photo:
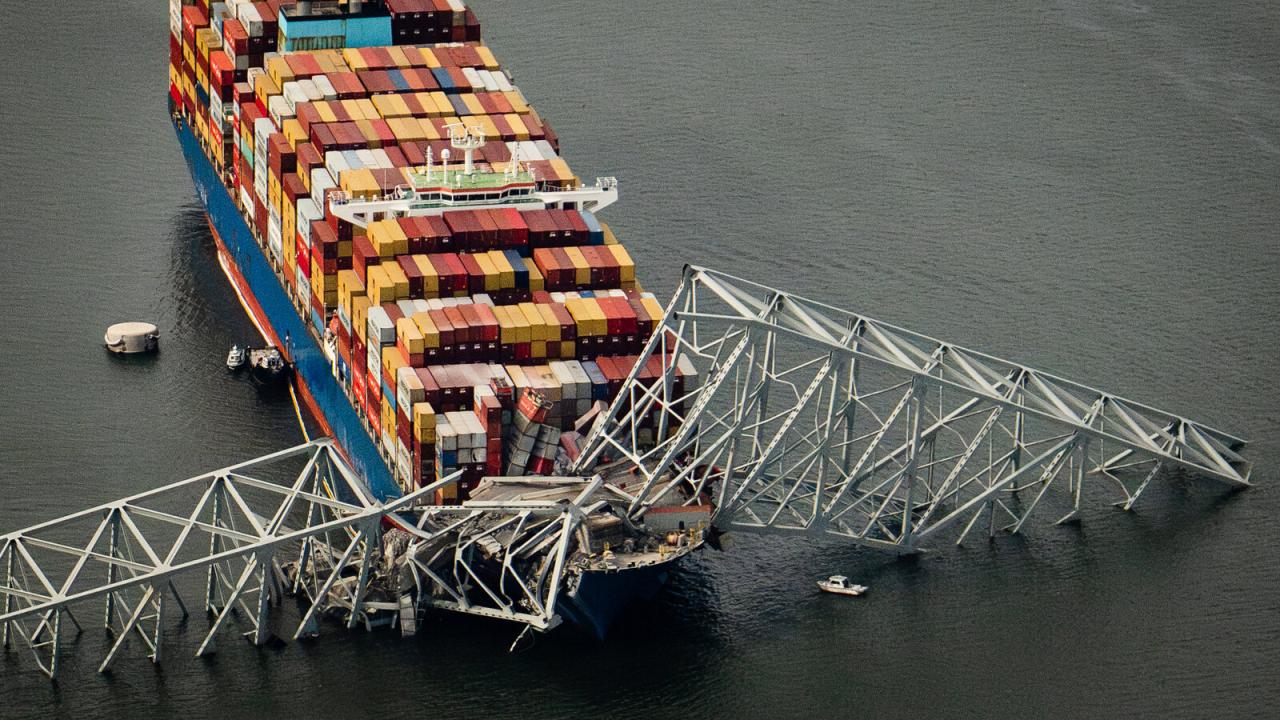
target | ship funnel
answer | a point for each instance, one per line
(304, 8)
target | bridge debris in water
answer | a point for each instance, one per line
(807, 420)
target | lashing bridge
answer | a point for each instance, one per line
(786, 414)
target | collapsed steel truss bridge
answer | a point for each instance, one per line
(811, 419)
(789, 415)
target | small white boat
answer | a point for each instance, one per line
(132, 337)
(840, 585)
(236, 357)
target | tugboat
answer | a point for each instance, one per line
(236, 358)
(268, 367)
(840, 585)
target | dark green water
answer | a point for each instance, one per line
(1088, 187)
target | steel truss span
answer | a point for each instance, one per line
(799, 417)
(294, 522)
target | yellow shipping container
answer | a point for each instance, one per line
(354, 60)
(537, 324)
(563, 174)
(429, 58)
(379, 286)
(486, 57)
(517, 126)
(536, 281)
(430, 278)
(398, 57)
(518, 103)
(351, 108)
(609, 237)
(387, 417)
(581, 268)
(326, 112)
(278, 70)
(653, 307)
(424, 422)
(410, 336)
(506, 325)
(626, 265)
(293, 132)
(399, 280)
(491, 277)
(567, 349)
(486, 123)
(506, 273)
(430, 333)
(366, 108)
(360, 315)
(390, 106)
(472, 103)
(550, 322)
(385, 235)
(441, 103)
(348, 285)
(392, 360)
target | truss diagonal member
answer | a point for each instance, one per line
(150, 599)
(1052, 456)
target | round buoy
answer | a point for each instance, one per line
(132, 337)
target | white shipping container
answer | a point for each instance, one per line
(380, 327)
(490, 83)
(262, 130)
(291, 93)
(252, 20)
(335, 162)
(544, 147)
(309, 90)
(473, 77)
(303, 289)
(274, 234)
(366, 159)
(324, 87)
(246, 199)
(252, 76)
(307, 212)
(403, 466)
(175, 18)
(504, 81)
(320, 182)
(216, 12)
(280, 109)
(380, 159)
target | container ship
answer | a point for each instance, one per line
(397, 220)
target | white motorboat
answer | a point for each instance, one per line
(237, 357)
(840, 585)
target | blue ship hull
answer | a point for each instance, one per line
(268, 299)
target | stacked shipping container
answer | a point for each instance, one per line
(467, 340)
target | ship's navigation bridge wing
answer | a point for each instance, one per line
(797, 416)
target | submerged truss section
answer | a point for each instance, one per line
(239, 528)
(811, 419)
